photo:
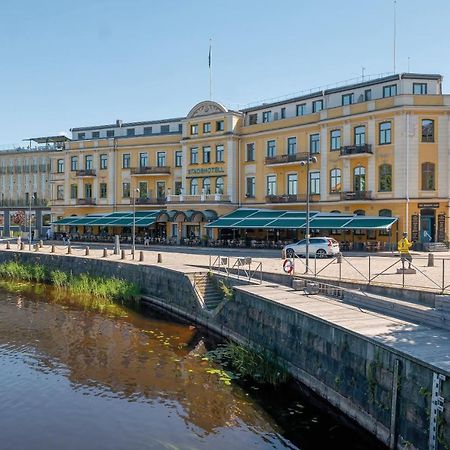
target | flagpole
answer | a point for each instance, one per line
(210, 70)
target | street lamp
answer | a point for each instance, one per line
(31, 197)
(306, 162)
(133, 250)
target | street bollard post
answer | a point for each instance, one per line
(22, 246)
(122, 254)
(430, 260)
(41, 243)
(141, 256)
(8, 245)
(53, 248)
(87, 251)
(159, 258)
(105, 252)
(69, 250)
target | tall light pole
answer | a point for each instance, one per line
(306, 162)
(31, 197)
(133, 250)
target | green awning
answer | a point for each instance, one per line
(325, 223)
(287, 223)
(223, 223)
(370, 223)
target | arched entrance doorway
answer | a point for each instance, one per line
(427, 225)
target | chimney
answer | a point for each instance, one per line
(118, 123)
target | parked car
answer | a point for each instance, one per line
(319, 246)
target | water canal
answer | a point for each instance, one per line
(76, 374)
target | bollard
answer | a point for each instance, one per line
(8, 245)
(430, 260)
(22, 246)
(69, 250)
(36, 247)
(141, 256)
(53, 248)
(122, 254)
(41, 244)
(339, 258)
(105, 252)
(159, 259)
(87, 251)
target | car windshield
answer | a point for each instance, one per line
(303, 241)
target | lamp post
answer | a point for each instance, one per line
(306, 162)
(133, 249)
(29, 221)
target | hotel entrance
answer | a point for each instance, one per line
(427, 225)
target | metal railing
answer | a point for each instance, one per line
(287, 198)
(349, 150)
(204, 198)
(86, 201)
(85, 173)
(284, 159)
(150, 170)
(244, 269)
(23, 203)
(356, 195)
(151, 201)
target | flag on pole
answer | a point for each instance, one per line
(209, 55)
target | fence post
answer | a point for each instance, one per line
(141, 256)
(53, 248)
(210, 262)
(105, 252)
(369, 269)
(87, 251)
(315, 265)
(122, 255)
(340, 266)
(443, 275)
(69, 249)
(403, 275)
(8, 245)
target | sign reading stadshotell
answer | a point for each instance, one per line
(202, 170)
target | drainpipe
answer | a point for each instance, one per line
(406, 228)
(239, 172)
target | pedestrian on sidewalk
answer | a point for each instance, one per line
(19, 242)
(403, 247)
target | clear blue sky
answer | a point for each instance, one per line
(68, 63)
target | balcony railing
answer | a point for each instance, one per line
(285, 159)
(287, 198)
(85, 173)
(150, 200)
(86, 201)
(12, 203)
(203, 198)
(356, 195)
(150, 170)
(350, 150)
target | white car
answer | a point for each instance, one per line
(318, 246)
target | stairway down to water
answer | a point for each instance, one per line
(209, 291)
(435, 247)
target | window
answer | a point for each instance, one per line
(335, 140)
(95, 134)
(271, 149)
(360, 135)
(206, 186)
(194, 186)
(207, 127)
(206, 155)
(267, 116)
(271, 185)
(74, 163)
(73, 191)
(219, 153)
(359, 212)
(131, 131)
(103, 190)
(385, 178)
(178, 158)
(126, 190)
(427, 130)
(143, 159)
(194, 155)
(389, 91)
(60, 166)
(253, 119)
(161, 190)
(359, 179)
(194, 129)
(165, 129)
(178, 187)
(292, 179)
(250, 187)
(335, 180)
(428, 179)
(292, 146)
(126, 159)
(161, 159)
(103, 161)
(314, 183)
(283, 113)
(88, 190)
(81, 136)
(219, 185)
(148, 131)
(220, 125)
(250, 154)
(88, 162)
(110, 133)
(385, 213)
(314, 143)
(368, 95)
(180, 128)
(385, 133)
(317, 106)
(59, 192)
(420, 88)
(300, 110)
(143, 189)
(347, 99)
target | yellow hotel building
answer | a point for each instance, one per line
(382, 148)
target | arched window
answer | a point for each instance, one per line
(359, 178)
(194, 186)
(385, 178)
(335, 211)
(335, 180)
(385, 213)
(359, 212)
(219, 185)
(427, 130)
(428, 178)
(207, 185)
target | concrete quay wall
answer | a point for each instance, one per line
(387, 392)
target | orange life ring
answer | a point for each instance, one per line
(288, 266)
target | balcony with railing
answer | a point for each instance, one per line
(288, 198)
(356, 195)
(202, 198)
(23, 203)
(287, 159)
(85, 173)
(356, 150)
(151, 201)
(86, 201)
(151, 170)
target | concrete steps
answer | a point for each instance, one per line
(207, 288)
(435, 247)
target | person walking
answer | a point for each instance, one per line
(19, 242)
(403, 247)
